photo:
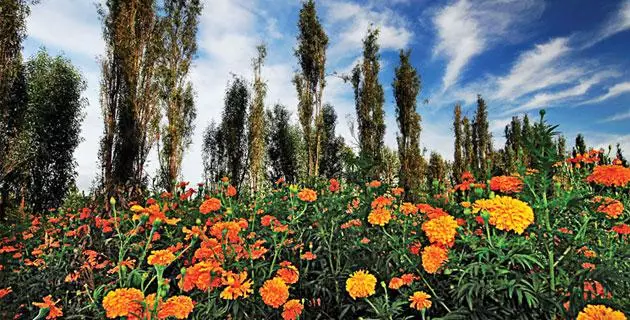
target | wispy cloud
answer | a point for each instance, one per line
(614, 91)
(618, 117)
(620, 21)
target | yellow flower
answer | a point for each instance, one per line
(441, 230)
(506, 213)
(600, 312)
(379, 217)
(361, 284)
(237, 285)
(420, 300)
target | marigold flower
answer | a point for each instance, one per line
(53, 310)
(161, 258)
(433, 257)
(361, 284)
(210, 205)
(379, 217)
(381, 202)
(441, 230)
(506, 213)
(274, 292)
(307, 195)
(4, 292)
(292, 309)
(600, 312)
(609, 206)
(334, 185)
(395, 283)
(621, 229)
(506, 184)
(288, 272)
(123, 302)
(398, 191)
(610, 176)
(308, 256)
(374, 184)
(237, 285)
(178, 307)
(420, 300)
(408, 208)
(408, 278)
(203, 275)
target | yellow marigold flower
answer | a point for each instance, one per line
(600, 312)
(441, 230)
(161, 258)
(274, 292)
(506, 213)
(307, 195)
(379, 217)
(433, 257)
(237, 285)
(361, 284)
(178, 307)
(292, 309)
(465, 204)
(420, 300)
(123, 303)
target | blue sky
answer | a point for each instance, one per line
(570, 58)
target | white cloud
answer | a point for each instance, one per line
(619, 22)
(618, 117)
(616, 90)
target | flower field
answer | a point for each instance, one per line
(542, 244)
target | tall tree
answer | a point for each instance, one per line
(332, 145)
(233, 128)
(406, 87)
(213, 153)
(13, 142)
(179, 29)
(468, 145)
(282, 145)
(257, 122)
(620, 157)
(562, 147)
(437, 168)
(580, 144)
(55, 112)
(129, 93)
(483, 139)
(458, 157)
(310, 82)
(369, 100)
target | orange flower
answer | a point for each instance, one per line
(379, 217)
(506, 184)
(307, 195)
(274, 292)
(231, 191)
(610, 176)
(178, 307)
(621, 229)
(374, 184)
(210, 205)
(308, 256)
(203, 275)
(433, 257)
(361, 284)
(4, 292)
(123, 303)
(600, 312)
(237, 285)
(420, 300)
(408, 278)
(53, 310)
(381, 202)
(334, 185)
(288, 273)
(611, 207)
(395, 283)
(398, 191)
(408, 208)
(506, 213)
(161, 258)
(292, 309)
(441, 230)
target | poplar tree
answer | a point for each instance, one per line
(310, 82)
(176, 97)
(233, 129)
(282, 145)
(369, 100)
(257, 121)
(436, 172)
(580, 144)
(562, 146)
(468, 145)
(458, 154)
(483, 139)
(332, 145)
(406, 87)
(129, 91)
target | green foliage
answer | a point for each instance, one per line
(256, 132)
(331, 162)
(282, 145)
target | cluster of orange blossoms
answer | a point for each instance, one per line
(593, 156)
(468, 183)
(600, 312)
(380, 214)
(609, 206)
(131, 303)
(610, 176)
(506, 184)
(307, 195)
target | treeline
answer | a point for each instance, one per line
(148, 101)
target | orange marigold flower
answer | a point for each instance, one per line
(610, 176)
(161, 258)
(203, 275)
(4, 292)
(178, 307)
(395, 283)
(433, 257)
(408, 278)
(408, 208)
(288, 272)
(123, 303)
(441, 230)
(621, 229)
(334, 185)
(210, 205)
(53, 310)
(292, 309)
(420, 300)
(379, 217)
(274, 292)
(374, 184)
(308, 256)
(609, 206)
(361, 284)
(506, 184)
(506, 213)
(381, 202)
(600, 312)
(231, 191)
(307, 195)
(237, 285)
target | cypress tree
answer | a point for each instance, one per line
(458, 157)
(406, 87)
(257, 121)
(483, 139)
(310, 82)
(369, 100)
